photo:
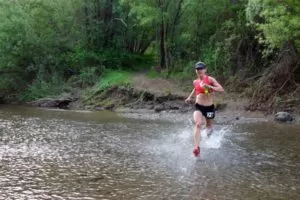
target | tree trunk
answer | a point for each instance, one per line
(87, 24)
(146, 45)
(108, 15)
(176, 20)
(97, 17)
(162, 44)
(166, 47)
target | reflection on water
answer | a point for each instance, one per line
(49, 154)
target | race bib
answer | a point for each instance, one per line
(210, 114)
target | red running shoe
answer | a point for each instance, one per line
(196, 151)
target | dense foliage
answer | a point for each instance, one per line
(48, 46)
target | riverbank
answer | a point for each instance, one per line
(155, 98)
(230, 110)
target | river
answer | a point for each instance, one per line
(57, 154)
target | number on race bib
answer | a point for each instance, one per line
(209, 114)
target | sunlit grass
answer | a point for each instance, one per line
(113, 78)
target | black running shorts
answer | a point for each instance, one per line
(207, 111)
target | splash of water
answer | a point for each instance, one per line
(173, 150)
(215, 140)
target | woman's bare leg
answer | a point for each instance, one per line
(197, 129)
(209, 128)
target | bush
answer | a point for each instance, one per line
(40, 89)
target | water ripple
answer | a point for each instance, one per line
(61, 158)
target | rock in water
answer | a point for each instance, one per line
(53, 102)
(283, 117)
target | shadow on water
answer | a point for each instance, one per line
(46, 114)
(52, 154)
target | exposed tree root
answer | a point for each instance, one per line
(278, 88)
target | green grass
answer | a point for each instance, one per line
(113, 78)
(109, 79)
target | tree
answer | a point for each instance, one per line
(162, 16)
(278, 21)
(35, 37)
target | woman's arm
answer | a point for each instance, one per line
(215, 85)
(190, 96)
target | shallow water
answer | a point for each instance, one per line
(55, 154)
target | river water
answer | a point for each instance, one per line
(55, 154)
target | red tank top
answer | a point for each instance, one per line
(199, 89)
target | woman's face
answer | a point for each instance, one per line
(200, 72)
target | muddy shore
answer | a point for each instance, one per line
(156, 99)
(230, 109)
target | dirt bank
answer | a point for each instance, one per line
(156, 98)
(159, 98)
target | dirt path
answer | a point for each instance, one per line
(157, 86)
(161, 86)
(231, 106)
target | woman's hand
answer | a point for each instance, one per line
(188, 100)
(204, 85)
